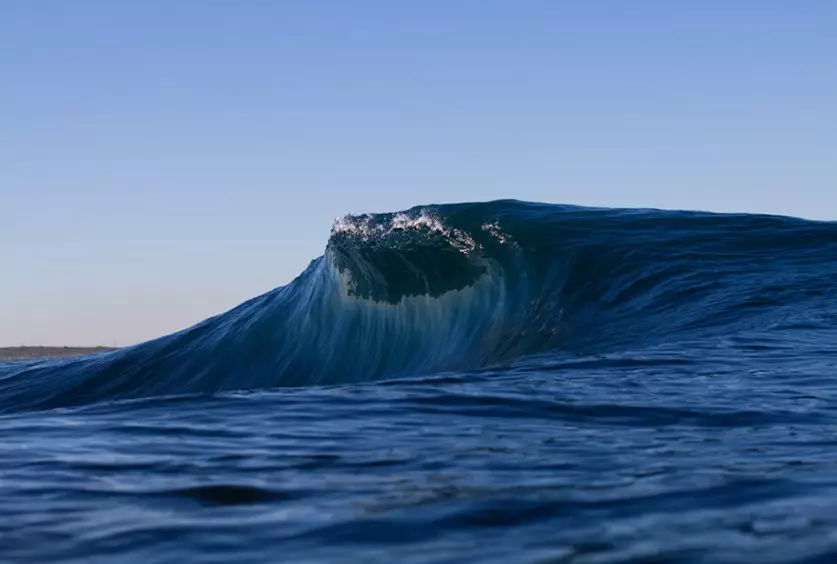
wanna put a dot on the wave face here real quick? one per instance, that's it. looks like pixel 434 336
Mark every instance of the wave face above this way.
pixel 463 286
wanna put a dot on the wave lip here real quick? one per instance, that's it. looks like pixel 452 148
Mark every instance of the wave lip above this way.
pixel 389 257
pixel 463 286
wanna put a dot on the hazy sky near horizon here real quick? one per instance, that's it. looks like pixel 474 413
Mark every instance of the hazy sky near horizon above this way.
pixel 162 161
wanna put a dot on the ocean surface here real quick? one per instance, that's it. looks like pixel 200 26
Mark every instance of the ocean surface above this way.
pixel 487 382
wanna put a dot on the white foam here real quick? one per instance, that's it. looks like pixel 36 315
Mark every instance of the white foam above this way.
pixel 493 227
pixel 370 228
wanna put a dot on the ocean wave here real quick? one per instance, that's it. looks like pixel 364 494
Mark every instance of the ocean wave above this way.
pixel 463 286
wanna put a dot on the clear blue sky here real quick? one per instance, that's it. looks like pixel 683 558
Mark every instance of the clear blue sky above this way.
pixel 162 161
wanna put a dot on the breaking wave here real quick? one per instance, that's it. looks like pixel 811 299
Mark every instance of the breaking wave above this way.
pixel 464 286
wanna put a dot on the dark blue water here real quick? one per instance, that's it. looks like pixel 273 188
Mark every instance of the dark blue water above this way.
pixel 488 382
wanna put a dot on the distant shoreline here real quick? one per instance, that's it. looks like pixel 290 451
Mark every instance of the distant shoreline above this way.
pixel 38 353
